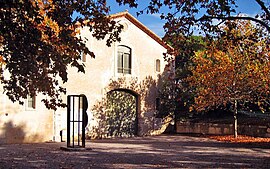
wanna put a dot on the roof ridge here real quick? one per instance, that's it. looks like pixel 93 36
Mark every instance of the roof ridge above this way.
pixel 140 25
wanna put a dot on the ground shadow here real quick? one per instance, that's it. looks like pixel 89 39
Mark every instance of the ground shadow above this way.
pixel 139 152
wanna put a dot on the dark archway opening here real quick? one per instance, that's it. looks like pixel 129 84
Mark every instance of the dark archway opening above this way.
pixel 122 113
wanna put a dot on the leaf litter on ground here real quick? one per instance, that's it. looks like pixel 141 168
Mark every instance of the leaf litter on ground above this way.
pixel 240 139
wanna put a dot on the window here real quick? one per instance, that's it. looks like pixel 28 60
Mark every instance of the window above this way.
pixel 124 60
pixel 31 102
pixel 83 56
pixel 157 104
pixel 157 65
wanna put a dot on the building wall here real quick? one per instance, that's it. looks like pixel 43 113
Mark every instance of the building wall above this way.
pixel 101 73
pixel 19 124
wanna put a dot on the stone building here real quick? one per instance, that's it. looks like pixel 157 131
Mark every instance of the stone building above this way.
pixel 121 85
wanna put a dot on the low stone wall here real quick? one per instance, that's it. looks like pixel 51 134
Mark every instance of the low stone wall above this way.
pixel 221 129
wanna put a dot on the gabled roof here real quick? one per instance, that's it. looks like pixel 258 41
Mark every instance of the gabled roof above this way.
pixel 146 30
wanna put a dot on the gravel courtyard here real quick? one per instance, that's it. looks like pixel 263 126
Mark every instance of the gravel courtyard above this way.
pixel 166 151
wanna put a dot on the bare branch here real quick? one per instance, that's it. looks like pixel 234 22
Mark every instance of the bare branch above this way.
pixel 262 4
pixel 205 17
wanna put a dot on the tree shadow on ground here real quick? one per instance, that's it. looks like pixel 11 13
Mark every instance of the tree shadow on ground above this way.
pixel 179 151
pixel 199 137
pixel 148 152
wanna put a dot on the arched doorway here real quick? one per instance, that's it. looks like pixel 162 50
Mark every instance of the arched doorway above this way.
pixel 121 114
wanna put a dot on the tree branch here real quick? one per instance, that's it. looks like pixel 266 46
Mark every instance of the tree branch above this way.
pixel 262 4
pixel 205 17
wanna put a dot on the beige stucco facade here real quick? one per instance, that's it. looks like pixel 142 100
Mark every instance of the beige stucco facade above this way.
pixel 19 124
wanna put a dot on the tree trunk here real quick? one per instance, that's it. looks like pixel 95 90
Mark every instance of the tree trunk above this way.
pixel 235 119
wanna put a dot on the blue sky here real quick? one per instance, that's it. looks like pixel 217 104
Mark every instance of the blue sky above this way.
pixel 153 22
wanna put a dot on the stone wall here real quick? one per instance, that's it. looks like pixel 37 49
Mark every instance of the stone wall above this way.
pixel 221 129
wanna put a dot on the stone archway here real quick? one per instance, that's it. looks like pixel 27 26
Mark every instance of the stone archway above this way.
pixel 122 113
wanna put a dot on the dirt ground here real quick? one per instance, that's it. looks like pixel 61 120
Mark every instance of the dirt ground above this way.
pixel 165 151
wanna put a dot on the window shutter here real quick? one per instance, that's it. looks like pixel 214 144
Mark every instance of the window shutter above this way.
pixel 127 63
pixel 120 63
pixel 124 60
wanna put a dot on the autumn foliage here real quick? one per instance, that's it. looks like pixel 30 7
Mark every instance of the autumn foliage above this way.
pixel 240 139
pixel 39 40
pixel 233 70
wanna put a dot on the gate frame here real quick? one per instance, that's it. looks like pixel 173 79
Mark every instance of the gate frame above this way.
pixel 81 123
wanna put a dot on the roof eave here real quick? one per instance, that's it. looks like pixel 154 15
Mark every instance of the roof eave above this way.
pixel 142 27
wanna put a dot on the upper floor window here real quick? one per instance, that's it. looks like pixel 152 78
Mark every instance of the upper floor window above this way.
pixel 157 65
pixel 124 60
pixel 31 102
